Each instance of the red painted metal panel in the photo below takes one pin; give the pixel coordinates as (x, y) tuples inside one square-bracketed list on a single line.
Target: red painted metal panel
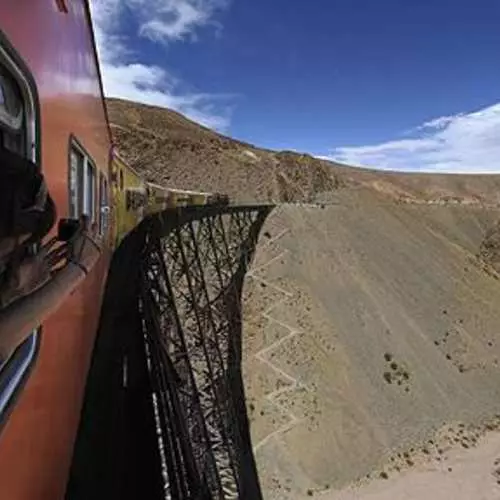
[(37, 441)]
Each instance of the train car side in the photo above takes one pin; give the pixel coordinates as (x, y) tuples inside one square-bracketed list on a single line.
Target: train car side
[(47, 50), (157, 198), (47, 47), (182, 198), (160, 198), (129, 197)]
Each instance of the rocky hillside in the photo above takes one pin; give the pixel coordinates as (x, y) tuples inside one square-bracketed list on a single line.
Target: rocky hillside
[(174, 151)]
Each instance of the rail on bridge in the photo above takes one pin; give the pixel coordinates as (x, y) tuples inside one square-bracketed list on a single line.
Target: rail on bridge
[(164, 414)]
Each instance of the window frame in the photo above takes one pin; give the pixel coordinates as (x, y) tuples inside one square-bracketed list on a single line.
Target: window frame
[(89, 193), (103, 205), (23, 77), (19, 70), (75, 181), (11, 383), (87, 165)]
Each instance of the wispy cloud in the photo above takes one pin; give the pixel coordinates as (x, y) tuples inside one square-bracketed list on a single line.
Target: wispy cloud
[(126, 75), (467, 142), (175, 19)]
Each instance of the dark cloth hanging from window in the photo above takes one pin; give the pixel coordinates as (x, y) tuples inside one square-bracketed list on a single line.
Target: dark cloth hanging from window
[(26, 208), (27, 214)]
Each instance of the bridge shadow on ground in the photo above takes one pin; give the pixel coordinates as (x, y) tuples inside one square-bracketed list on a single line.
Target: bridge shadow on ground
[(164, 414)]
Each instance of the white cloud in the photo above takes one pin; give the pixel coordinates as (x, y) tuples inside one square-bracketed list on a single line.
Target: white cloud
[(174, 19), (467, 142), (126, 76), (437, 123), (152, 85)]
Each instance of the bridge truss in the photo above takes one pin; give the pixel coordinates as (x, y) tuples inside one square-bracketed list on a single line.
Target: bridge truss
[(183, 365)]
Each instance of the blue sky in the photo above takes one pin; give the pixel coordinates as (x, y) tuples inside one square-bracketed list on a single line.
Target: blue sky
[(406, 85)]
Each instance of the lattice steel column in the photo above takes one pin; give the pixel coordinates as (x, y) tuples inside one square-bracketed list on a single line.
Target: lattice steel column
[(193, 269), (169, 340)]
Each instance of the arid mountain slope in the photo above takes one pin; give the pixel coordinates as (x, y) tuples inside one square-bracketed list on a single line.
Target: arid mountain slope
[(371, 325), (174, 151), (371, 341)]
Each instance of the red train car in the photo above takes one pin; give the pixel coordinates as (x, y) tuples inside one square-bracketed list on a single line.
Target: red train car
[(52, 111)]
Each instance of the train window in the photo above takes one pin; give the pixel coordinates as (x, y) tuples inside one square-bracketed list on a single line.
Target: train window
[(15, 368), (103, 205), (76, 163), (11, 114), (18, 133), (82, 183), (89, 190)]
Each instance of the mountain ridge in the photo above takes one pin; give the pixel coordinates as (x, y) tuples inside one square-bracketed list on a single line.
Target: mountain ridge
[(172, 150)]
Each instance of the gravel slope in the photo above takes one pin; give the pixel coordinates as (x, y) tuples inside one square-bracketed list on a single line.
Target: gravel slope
[(368, 327)]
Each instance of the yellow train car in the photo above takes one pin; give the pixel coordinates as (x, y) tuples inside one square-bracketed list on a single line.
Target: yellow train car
[(129, 196), (135, 198), (157, 198), (178, 198), (199, 198), (161, 198), (183, 198), (218, 199)]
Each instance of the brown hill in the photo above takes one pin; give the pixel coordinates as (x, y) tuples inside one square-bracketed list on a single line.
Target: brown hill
[(174, 151)]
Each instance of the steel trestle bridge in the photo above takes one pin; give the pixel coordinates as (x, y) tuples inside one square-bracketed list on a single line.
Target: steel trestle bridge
[(164, 414)]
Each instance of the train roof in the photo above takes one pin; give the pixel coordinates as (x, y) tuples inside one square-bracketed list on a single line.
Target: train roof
[(178, 191)]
